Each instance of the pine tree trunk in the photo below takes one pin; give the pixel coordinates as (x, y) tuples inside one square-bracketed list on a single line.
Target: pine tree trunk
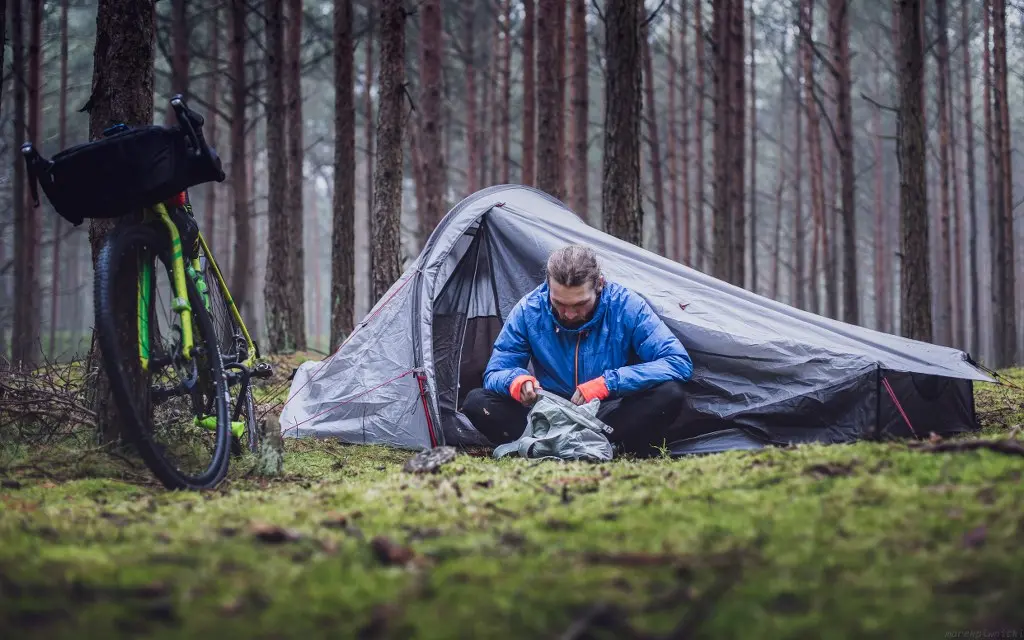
[(972, 337), (179, 53), (210, 214), (701, 259), (916, 314), (431, 129), (343, 260), (683, 238), (469, 63), (1005, 311), (737, 140), (780, 185), (494, 67), (944, 302), (282, 334), (752, 214), (841, 30), (370, 127), (578, 200), (549, 162), (721, 224), (387, 180), (992, 184), (881, 250), (655, 147), (529, 159), (19, 193), (506, 85), (122, 91), (242, 254), (959, 329), (560, 124), (62, 140), (33, 231), (797, 288), (672, 226), (620, 180), (294, 143), (816, 166)]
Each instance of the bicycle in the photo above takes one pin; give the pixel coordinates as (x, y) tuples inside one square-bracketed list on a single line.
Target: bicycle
[(141, 177)]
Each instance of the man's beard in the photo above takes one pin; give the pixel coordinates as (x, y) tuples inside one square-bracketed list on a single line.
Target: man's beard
[(574, 324)]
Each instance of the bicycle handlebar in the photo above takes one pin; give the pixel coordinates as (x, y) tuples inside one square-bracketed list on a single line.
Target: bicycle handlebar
[(192, 124)]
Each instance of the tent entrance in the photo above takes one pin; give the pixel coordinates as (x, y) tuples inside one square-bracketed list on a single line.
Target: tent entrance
[(466, 323)]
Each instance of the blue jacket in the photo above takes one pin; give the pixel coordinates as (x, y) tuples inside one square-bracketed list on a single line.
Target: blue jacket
[(625, 341)]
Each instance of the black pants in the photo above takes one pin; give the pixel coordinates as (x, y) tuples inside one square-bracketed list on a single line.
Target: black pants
[(640, 421)]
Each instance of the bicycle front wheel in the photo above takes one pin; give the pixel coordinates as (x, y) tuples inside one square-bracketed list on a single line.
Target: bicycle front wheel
[(173, 405)]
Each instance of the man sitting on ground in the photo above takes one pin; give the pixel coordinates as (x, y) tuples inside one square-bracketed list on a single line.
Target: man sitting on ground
[(581, 333)]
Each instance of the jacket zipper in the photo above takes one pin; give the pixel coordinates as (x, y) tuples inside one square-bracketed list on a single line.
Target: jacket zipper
[(579, 336)]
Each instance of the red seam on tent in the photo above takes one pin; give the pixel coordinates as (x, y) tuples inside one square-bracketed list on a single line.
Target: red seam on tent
[(345, 341), (296, 426), (892, 394), (426, 411)]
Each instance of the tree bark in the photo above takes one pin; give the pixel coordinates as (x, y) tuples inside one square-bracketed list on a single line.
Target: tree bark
[(62, 140), (242, 255), (881, 250), (387, 185), (294, 144), (620, 183), (944, 301), (549, 162), (19, 352), (916, 314), (431, 129), (780, 185), (797, 290), (655, 147), (752, 213), (991, 179), (469, 64), (684, 239), (701, 259), (210, 214), (370, 127), (506, 85), (841, 60), (578, 198), (282, 334), (737, 140), (529, 94), (343, 260), (672, 154), (972, 337), (816, 167), (721, 224), (1005, 310), (122, 92), (33, 233), (957, 297), (560, 124)]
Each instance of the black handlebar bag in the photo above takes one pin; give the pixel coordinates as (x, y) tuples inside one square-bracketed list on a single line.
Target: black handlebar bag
[(121, 173)]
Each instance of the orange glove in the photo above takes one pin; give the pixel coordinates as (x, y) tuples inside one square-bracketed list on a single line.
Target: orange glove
[(596, 388), (517, 385)]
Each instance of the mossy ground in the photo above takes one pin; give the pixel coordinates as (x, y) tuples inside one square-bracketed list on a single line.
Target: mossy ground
[(816, 542)]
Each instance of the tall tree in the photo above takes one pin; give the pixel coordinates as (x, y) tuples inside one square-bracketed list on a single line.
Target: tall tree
[(30, 302), (990, 172), (672, 155), (973, 341), (655, 146), (752, 213), (529, 158), (560, 138), (506, 85), (816, 165), (737, 39), (387, 180), (620, 179), (580, 110), (19, 332), (549, 161), (343, 261), (431, 128), (122, 92), (368, 122), (282, 334), (242, 262), (179, 52), (469, 63), (798, 291), (213, 99), (944, 301), (684, 244), (700, 68), (916, 313), (294, 143), (1004, 304), (62, 139), (840, 27), (881, 249)]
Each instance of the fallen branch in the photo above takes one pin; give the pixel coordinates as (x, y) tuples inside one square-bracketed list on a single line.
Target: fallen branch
[(1007, 446)]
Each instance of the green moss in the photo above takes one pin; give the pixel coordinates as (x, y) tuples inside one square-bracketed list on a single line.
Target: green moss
[(810, 541)]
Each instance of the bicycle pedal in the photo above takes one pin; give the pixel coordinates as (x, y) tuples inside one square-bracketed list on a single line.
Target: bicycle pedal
[(263, 370)]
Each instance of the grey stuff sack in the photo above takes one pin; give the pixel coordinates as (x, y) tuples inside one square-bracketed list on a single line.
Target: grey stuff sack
[(556, 428)]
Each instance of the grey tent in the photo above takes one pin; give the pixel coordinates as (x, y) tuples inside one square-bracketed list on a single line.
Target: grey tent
[(764, 373)]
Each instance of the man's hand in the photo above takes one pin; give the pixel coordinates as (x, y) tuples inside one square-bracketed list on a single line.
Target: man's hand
[(577, 398), (528, 393)]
